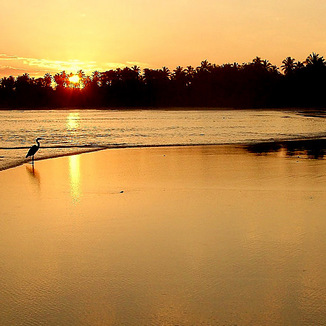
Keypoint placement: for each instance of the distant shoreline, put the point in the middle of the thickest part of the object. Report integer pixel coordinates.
(164, 108)
(255, 84)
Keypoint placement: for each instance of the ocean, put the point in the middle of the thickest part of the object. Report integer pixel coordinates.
(67, 132)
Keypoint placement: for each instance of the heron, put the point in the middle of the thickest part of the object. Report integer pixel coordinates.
(33, 149)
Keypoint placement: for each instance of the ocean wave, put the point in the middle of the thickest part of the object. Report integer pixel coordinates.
(72, 132)
(57, 146)
(312, 145)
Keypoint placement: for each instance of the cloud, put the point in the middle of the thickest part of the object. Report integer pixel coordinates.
(137, 63)
(6, 71)
(36, 67)
(115, 65)
(7, 57)
(8, 67)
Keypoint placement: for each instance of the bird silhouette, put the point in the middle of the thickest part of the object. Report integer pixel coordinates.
(33, 149)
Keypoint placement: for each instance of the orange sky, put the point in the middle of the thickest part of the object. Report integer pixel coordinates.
(39, 36)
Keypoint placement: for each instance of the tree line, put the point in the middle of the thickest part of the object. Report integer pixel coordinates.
(256, 84)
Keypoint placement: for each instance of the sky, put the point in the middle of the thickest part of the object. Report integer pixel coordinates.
(40, 36)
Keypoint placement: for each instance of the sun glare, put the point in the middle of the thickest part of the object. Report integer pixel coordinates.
(74, 79)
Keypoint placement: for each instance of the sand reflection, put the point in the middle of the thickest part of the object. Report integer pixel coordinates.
(74, 174)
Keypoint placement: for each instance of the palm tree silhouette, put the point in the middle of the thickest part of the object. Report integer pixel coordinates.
(205, 65)
(288, 65)
(257, 61)
(314, 59)
(165, 71)
(178, 73)
(266, 64)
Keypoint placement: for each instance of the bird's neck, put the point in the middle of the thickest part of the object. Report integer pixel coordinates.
(38, 144)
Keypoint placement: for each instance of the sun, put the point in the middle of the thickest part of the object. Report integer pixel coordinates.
(74, 79)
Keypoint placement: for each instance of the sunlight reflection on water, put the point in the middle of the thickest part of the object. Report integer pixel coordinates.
(73, 121)
(74, 173)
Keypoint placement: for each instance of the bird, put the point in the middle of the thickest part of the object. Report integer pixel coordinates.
(34, 149)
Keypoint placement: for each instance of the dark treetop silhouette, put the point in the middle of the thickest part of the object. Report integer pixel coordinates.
(257, 84)
(34, 149)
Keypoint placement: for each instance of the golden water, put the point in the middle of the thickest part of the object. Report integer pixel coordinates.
(165, 236)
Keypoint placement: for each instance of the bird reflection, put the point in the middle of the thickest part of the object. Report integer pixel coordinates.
(34, 174)
(74, 167)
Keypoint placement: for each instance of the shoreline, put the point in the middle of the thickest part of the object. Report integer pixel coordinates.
(159, 108)
(316, 144)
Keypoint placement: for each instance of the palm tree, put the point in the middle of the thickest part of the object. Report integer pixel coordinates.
(96, 78)
(257, 61)
(314, 59)
(205, 65)
(136, 71)
(108, 77)
(178, 73)
(23, 80)
(190, 74)
(266, 64)
(81, 74)
(87, 81)
(190, 71)
(47, 80)
(38, 82)
(23, 85)
(165, 71)
(8, 83)
(288, 65)
(299, 65)
(61, 79)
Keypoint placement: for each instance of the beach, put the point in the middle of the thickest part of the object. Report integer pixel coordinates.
(193, 235)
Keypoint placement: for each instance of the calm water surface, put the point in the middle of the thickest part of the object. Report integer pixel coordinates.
(67, 132)
(206, 235)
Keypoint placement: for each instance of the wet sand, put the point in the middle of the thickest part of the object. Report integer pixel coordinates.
(207, 235)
